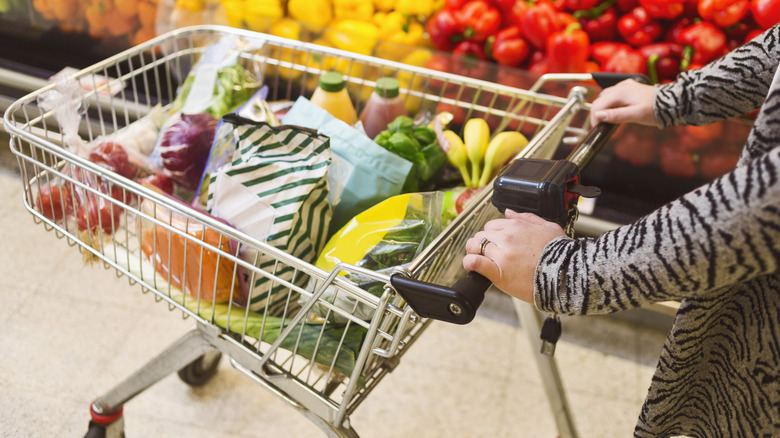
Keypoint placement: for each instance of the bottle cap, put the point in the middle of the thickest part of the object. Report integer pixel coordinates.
(387, 87)
(332, 81)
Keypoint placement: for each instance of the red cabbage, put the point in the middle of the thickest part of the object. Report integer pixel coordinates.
(185, 147)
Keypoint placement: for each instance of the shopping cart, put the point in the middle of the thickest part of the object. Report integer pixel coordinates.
(302, 362)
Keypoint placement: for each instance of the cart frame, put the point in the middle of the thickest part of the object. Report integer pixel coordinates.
(148, 75)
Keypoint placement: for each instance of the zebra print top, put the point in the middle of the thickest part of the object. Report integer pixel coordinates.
(715, 249)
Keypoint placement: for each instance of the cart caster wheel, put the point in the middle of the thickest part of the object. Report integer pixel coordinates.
(201, 370)
(100, 431)
(106, 426)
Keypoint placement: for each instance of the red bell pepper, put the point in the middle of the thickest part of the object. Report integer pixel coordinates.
(478, 20)
(638, 28)
(636, 144)
(503, 5)
(603, 50)
(707, 40)
(508, 47)
(676, 160)
(672, 33)
(765, 12)
(539, 22)
(663, 61)
(618, 58)
(455, 5)
(718, 161)
(663, 9)
(600, 23)
(471, 60)
(443, 29)
(752, 34)
(626, 5)
(724, 13)
(515, 15)
(568, 50)
(539, 63)
(578, 5)
(699, 137)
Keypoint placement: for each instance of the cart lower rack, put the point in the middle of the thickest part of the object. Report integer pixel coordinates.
(323, 369)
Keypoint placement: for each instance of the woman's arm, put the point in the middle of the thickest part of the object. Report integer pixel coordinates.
(721, 234)
(729, 86)
(732, 85)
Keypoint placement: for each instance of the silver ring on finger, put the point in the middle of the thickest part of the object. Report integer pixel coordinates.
(482, 244)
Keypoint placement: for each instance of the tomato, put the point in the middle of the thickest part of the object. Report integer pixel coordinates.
(54, 201)
(159, 180)
(97, 213)
(113, 157)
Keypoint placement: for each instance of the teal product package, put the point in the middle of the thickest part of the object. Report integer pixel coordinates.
(275, 190)
(362, 173)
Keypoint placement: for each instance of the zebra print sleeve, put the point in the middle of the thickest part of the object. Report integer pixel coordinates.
(729, 86)
(723, 233)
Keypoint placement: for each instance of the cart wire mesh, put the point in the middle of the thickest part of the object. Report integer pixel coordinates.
(328, 368)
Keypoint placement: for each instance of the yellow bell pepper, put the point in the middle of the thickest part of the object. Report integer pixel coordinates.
(286, 28)
(234, 10)
(314, 12)
(353, 36)
(397, 32)
(411, 82)
(415, 7)
(259, 14)
(353, 10)
(384, 5)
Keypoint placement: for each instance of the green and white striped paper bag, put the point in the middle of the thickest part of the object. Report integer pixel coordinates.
(274, 189)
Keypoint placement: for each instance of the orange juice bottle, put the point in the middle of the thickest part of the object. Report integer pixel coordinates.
(331, 95)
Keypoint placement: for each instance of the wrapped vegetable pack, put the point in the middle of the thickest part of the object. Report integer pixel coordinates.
(275, 190)
(216, 85)
(387, 235)
(202, 274)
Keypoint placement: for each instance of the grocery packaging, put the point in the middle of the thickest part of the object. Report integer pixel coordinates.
(274, 189)
(384, 105)
(331, 95)
(362, 174)
(388, 235)
(202, 274)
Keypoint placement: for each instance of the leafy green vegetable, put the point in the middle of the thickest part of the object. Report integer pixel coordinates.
(233, 87)
(327, 348)
(415, 144)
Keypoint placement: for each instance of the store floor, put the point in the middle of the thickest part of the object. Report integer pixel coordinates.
(70, 332)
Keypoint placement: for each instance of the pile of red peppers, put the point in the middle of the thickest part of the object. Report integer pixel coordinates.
(659, 38)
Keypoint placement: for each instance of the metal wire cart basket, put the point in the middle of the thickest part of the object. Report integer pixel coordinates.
(322, 368)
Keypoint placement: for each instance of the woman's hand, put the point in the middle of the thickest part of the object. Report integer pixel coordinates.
(510, 257)
(627, 102)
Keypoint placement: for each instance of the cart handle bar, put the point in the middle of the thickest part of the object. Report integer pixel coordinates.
(458, 304)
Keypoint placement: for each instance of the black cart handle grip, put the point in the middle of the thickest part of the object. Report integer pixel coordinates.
(605, 80)
(457, 304)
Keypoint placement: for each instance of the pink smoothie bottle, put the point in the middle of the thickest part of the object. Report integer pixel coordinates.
(384, 105)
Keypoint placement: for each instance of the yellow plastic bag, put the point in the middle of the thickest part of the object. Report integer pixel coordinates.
(390, 234)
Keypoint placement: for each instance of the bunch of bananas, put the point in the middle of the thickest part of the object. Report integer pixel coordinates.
(477, 156)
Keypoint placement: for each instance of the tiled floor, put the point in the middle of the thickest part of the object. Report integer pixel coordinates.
(70, 332)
